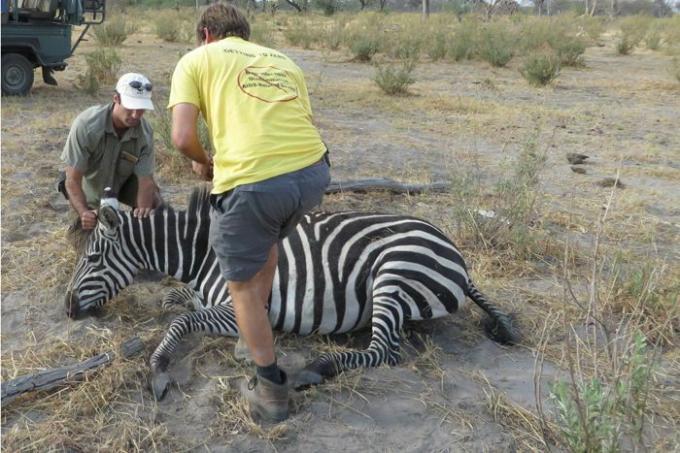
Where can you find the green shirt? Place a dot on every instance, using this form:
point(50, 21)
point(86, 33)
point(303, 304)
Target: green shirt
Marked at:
point(94, 148)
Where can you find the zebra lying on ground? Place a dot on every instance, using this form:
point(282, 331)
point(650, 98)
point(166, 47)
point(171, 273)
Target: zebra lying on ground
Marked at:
point(337, 272)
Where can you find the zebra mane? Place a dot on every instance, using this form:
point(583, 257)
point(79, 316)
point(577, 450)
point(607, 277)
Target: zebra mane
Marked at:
point(199, 202)
point(77, 236)
point(199, 205)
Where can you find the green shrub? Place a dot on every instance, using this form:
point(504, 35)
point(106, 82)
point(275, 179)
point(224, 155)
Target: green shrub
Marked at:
point(624, 46)
point(407, 48)
point(653, 38)
point(496, 44)
point(334, 35)
point(364, 48)
point(299, 33)
point(604, 413)
point(633, 31)
point(536, 32)
point(169, 26)
point(540, 68)
point(593, 26)
point(570, 51)
point(102, 67)
point(262, 32)
point(464, 43)
point(436, 46)
point(327, 7)
point(395, 79)
point(112, 32)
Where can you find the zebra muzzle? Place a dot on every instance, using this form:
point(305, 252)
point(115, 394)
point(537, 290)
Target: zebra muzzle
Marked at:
point(72, 305)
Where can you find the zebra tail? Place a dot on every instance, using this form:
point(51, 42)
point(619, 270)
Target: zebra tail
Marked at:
point(500, 326)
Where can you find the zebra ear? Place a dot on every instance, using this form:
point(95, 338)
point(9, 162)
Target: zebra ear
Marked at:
point(108, 217)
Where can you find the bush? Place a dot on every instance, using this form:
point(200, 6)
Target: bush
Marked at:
point(604, 413)
point(653, 38)
point(464, 42)
point(633, 31)
point(570, 51)
point(112, 32)
point(541, 68)
point(334, 35)
point(624, 46)
point(261, 32)
point(395, 79)
point(102, 67)
point(407, 48)
point(299, 33)
point(437, 46)
point(327, 7)
point(364, 47)
point(169, 26)
point(496, 44)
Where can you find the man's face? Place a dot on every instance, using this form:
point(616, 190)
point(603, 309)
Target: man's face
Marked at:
point(126, 117)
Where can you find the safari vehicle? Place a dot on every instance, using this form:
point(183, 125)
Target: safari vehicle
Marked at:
point(37, 33)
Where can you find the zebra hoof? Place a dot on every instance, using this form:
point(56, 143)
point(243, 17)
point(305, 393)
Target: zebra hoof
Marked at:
point(307, 378)
point(160, 382)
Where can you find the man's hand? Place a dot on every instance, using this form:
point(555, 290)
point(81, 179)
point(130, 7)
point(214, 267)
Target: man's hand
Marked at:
point(142, 212)
point(204, 171)
point(88, 219)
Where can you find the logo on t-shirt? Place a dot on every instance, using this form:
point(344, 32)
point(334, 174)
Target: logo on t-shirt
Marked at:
point(267, 83)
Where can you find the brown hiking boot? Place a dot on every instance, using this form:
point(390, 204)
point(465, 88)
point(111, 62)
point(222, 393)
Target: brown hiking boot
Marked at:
point(266, 399)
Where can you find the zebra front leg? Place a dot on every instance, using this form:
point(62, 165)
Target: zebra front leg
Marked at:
point(387, 320)
point(217, 320)
point(182, 296)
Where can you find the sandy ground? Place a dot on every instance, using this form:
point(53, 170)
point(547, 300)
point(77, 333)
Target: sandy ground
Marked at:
point(455, 390)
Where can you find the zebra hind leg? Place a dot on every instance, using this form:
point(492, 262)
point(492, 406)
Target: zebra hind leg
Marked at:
point(387, 320)
point(217, 320)
point(182, 296)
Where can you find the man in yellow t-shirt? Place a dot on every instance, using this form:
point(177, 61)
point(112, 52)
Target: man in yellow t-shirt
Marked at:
point(268, 169)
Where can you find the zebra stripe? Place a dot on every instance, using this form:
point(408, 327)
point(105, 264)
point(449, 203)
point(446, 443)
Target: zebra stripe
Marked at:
point(336, 273)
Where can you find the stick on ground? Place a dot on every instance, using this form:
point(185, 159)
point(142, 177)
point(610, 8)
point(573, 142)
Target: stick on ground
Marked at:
point(55, 377)
point(388, 185)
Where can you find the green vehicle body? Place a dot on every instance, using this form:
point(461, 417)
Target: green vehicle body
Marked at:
point(38, 33)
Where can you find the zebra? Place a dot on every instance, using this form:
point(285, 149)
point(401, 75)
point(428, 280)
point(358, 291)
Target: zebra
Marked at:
point(337, 272)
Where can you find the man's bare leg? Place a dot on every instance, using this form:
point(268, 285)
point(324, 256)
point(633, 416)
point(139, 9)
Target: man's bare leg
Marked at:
point(267, 395)
point(250, 300)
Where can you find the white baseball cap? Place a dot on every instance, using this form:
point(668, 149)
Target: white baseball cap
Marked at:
point(135, 91)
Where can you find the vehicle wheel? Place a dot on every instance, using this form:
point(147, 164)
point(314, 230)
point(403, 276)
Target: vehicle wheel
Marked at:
point(17, 74)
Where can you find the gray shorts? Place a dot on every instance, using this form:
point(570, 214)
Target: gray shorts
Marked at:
point(248, 220)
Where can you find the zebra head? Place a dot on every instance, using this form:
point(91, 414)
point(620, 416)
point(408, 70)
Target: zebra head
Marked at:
point(102, 270)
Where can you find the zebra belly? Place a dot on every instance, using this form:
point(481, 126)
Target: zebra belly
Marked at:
point(305, 317)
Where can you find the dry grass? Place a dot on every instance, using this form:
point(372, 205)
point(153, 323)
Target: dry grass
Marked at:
point(463, 120)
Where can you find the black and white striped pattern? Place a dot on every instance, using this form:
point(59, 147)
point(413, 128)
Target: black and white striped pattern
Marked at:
point(337, 272)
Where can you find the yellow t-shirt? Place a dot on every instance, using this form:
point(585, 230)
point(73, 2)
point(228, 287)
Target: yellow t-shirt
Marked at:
point(256, 105)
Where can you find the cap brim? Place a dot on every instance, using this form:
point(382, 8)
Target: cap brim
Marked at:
point(131, 103)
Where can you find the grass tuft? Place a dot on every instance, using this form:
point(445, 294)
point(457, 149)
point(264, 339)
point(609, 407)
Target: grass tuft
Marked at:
point(395, 79)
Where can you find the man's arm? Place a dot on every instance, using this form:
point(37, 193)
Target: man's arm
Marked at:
point(185, 139)
point(76, 197)
point(146, 192)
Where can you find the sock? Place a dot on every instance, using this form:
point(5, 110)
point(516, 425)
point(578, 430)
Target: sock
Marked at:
point(271, 372)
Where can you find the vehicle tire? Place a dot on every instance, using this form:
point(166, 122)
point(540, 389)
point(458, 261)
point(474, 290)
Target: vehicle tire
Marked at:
point(17, 74)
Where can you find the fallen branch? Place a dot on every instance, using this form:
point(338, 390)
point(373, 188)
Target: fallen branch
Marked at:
point(55, 377)
point(388, 185)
